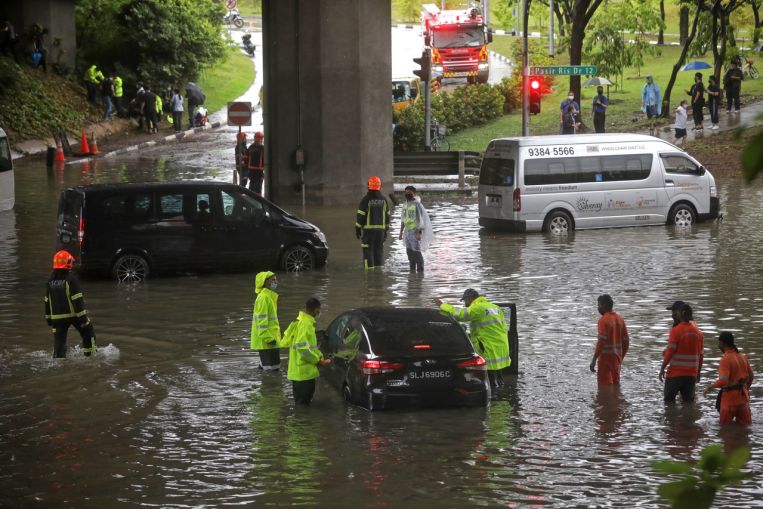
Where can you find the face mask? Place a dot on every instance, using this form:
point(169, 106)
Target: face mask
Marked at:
point(571, 97)
point(408, 197)
point(273, 286)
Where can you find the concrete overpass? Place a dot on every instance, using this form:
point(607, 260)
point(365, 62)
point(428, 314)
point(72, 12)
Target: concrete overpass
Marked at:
point(327, 90)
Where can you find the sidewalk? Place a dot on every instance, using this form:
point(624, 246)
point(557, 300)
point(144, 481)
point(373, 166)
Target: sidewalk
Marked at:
point(747, 117)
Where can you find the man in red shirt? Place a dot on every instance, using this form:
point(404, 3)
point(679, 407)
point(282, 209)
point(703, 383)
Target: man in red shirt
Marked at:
point(612, 344)
point(682, 357)
point(734, 379)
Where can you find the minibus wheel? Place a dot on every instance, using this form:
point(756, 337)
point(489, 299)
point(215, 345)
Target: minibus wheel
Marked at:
point(558, 222)
point(130, 268)
point(682, 215)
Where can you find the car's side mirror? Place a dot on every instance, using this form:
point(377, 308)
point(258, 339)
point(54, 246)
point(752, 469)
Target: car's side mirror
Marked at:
point(489, 35)
point(701, 171)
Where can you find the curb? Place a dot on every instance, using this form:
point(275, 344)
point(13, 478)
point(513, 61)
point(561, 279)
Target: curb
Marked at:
point(151, 143)
point(500, 57)
point(406, 27)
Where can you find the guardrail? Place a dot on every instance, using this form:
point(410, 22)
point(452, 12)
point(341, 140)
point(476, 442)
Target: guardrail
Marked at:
point(438, 163)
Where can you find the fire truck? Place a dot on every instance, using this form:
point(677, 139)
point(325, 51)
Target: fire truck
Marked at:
point(459, 40)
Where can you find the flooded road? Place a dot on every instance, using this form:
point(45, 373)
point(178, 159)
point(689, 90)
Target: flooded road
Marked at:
point(172, 412)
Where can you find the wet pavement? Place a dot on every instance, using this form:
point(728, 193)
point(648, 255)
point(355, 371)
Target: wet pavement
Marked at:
point(171, 412)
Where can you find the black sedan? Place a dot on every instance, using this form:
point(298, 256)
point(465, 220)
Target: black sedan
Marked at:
point(386, 357)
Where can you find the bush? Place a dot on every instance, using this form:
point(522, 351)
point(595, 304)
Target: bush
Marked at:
point(466, 106)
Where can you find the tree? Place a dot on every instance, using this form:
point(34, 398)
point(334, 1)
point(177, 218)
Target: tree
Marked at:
point(171, 40)
point(698, 5)
point(580, 13)
point(605, 47)
point(661, 34)
point(721, 11)
point(756, 5)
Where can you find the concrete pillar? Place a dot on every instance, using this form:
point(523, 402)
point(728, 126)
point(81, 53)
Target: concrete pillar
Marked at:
point(55, 15)
point(327, 90)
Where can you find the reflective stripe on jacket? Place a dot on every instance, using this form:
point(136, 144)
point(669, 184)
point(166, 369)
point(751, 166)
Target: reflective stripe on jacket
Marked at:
point(304, 354)
point(373, 212)
point(266, 332)
point(488, 330)
point(685, 350)
point(63, 297)
point(613, 336)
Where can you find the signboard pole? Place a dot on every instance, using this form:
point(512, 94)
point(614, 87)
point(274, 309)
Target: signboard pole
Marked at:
point(525, 65)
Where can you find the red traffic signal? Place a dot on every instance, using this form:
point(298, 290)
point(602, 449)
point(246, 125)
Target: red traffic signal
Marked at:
point(535, 95)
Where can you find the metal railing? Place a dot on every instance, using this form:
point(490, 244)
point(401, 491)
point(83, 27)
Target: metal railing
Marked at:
point(438, 163)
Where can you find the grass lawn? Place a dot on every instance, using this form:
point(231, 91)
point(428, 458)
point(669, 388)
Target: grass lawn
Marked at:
point(227, 80)
point(250, 7)
point(624, 110)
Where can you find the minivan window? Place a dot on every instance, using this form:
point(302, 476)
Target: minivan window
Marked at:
point(399, 338)
point(171, 208)
point(497, 172)
point(573, 170)
point(679, 164)
point(114, 207)
point(242, 207)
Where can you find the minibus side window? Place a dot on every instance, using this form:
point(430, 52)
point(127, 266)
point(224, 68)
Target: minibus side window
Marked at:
point(497, 172)
point(578, 170)
point(679, 164)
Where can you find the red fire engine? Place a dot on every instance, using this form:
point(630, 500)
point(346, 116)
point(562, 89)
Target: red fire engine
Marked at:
point(459, 40)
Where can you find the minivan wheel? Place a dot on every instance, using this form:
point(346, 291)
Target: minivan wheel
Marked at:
point(682, 215)
point(130, 268)
point(297, 258)
point(558, 223)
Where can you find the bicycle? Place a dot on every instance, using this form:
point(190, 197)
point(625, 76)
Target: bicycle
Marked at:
point(749, 69)
point(438, 141)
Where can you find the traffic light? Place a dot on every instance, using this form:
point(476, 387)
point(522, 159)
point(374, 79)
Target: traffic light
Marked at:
point(425, 64)
point(534, 95)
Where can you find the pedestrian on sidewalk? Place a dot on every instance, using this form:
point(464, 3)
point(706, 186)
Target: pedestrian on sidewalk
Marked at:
point(8, 39)
point(600, 103)
point(564, 109)
point(93, 78)
point(732, 82)
point(107, 91)
point(118, 96)
point(713, 100)
point(680, 125)
point(650, 102)
point(697, 93)
point(176, 103)
point(41, 47)
point(148, 109)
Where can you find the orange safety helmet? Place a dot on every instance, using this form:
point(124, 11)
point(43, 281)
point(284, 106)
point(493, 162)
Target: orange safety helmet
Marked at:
point(241, 136)
point(258, 136)
point(374, 183)
point(63, 260)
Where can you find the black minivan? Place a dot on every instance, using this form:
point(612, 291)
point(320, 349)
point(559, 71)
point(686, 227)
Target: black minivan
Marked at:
point(132, 230)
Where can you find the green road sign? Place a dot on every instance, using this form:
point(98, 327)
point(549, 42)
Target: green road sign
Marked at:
point(561, 70)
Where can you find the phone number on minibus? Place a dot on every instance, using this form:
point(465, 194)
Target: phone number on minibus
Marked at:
point(550, 151)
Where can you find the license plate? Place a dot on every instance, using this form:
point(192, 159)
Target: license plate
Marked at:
point(439, 374)
point(494, 201)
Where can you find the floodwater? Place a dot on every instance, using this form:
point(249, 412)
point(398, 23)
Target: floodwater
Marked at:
point(171, 412)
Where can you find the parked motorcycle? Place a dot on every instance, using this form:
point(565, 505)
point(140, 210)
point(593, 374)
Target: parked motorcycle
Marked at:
point(233, 17)
point(248, 44)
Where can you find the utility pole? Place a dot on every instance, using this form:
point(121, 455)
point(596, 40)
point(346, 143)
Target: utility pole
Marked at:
point(525, 65)
point(551, 28)
point(486, 12)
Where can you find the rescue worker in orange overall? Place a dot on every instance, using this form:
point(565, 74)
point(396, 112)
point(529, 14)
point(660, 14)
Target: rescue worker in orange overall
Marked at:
point(734, 380)
point(612, 344)
point(683, 357)
point(256, 163)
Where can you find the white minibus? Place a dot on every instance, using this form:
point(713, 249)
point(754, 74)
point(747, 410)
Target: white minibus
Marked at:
point(562, 183)
point(7, 185)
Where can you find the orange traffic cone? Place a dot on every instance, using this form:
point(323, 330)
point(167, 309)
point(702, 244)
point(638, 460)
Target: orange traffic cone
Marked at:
point(84, 148)
point(59, 152)
point(94, 146)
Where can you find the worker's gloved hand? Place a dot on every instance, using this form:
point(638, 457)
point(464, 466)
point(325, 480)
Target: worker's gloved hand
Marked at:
point(358, 233)
point(323, 362)
point(271, 343)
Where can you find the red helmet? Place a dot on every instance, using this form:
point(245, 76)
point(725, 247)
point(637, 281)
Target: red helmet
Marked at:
point(258, 136)
point(374, 183)
point(63, 260)
point(241, 136)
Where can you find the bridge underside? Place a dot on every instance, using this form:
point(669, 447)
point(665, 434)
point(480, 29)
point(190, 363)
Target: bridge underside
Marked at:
point(327, 97)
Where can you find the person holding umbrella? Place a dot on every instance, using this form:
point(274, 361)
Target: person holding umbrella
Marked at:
point(600, 103)
point(195, 98)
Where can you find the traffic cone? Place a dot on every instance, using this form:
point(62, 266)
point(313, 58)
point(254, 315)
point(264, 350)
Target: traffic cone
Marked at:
point(94, 146)
point(84, 148)
point(59, 152)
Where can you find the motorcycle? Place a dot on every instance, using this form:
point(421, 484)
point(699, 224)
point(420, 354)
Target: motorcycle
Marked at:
point(248, 45)
point(234, 17)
